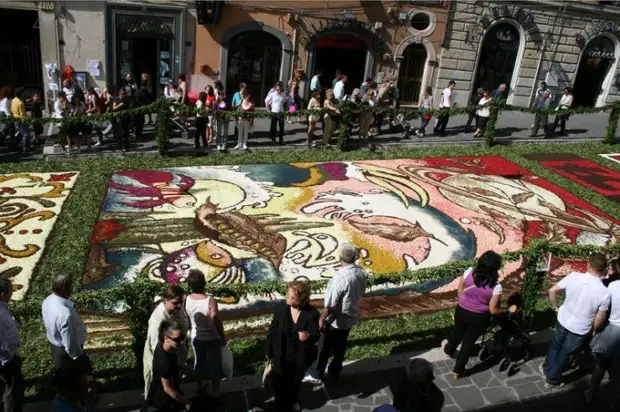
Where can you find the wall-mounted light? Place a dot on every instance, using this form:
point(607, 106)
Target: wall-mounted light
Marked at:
point(348, 15)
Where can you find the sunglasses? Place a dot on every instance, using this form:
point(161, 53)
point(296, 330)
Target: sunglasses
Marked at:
point(179, 339)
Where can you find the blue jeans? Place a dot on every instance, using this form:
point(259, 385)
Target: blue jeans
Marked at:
point(563, 345)
point(24, 130)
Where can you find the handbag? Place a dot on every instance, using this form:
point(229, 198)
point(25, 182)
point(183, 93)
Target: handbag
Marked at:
point(227, 363)
point(427, 117)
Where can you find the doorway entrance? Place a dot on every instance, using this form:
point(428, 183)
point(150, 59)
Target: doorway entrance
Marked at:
point(145, 46)
point(20, 50)
point(594, 68)
point(411, 73)
point(498, 57)
point(254, 58)
point(344, 53)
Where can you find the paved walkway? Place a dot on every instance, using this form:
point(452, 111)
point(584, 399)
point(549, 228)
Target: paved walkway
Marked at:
point(368, 383)
point(486, 390)
point(511, 127)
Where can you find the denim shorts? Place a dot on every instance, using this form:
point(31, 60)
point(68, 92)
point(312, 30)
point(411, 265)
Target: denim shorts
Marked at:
point(208, 358)
point(606, 345)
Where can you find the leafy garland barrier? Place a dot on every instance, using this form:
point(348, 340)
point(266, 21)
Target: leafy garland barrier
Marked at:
point(138, 297)
point(165, 110)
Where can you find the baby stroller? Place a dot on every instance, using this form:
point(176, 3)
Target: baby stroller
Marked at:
point(180, 123)
point(507, 340)
point(399, 120)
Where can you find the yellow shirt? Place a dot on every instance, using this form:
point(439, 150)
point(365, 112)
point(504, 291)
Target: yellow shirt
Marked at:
point(18, 108)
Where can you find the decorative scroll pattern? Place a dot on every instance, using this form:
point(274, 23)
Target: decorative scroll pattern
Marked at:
point(29, 206)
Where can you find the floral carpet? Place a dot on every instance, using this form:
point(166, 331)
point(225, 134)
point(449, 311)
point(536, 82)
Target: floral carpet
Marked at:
point(29, 207)
point(256, 223)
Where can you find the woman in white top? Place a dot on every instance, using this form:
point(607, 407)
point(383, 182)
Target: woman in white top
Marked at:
point(67, 87)
point(6, 95)
point(313, 104)
point(170, 309)
point(207, 332)
point(62, 110)
point(426, 105)
point(562, 116)
point(483, 113)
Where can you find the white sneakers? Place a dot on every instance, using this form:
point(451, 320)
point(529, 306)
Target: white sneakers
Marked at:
point(241, 147)
point(311, 379)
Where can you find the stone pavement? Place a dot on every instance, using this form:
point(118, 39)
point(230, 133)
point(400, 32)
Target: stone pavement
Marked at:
point(511, 127)
point(486, 390)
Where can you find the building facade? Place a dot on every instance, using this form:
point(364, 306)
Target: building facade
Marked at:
point(259, 43)
point(101, 40)
point(521, 43)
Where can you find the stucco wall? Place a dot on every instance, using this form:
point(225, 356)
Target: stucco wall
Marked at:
point(207, 63)
point(464, 36)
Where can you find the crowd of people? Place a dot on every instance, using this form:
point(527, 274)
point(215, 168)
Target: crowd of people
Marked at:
point(209, 129)
point(301, 340)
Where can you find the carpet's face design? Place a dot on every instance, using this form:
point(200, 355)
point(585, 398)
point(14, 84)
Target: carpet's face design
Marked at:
point(29, 206)
point(612, 156)
point(592, 175)
point(267, 222)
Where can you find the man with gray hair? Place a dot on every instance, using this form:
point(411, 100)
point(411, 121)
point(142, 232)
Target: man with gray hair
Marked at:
point(11, 377)
point(339, 315)
point(65, 330)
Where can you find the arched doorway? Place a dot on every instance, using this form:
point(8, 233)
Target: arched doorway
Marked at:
point(411, 73)
point(595, 66)
point(498, 57)
point(342, 52)
point(254, 58)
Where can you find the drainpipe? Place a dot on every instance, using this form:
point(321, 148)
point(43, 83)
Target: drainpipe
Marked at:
point(292, 74)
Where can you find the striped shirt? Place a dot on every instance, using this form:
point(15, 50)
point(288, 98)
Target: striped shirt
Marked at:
point(343, 295)
point(9, 335)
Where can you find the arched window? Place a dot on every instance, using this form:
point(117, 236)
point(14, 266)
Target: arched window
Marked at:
point(596, 63)
point(411, 73)
point(498, 56)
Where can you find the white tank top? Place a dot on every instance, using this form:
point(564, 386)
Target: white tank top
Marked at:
point(202, 327)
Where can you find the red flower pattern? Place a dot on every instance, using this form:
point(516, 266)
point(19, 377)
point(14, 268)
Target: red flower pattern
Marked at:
point(65, 177)
point(7, 190)
point(107, 230)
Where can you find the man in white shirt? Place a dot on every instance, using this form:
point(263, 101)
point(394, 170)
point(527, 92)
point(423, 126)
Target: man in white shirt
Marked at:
point(65, 330)
point(315, 83)
point(446, 103)
point(606, 344)
point(11, 377)
point(276, 103)
point(584, 308)
point(340, 313)
point(339, 88)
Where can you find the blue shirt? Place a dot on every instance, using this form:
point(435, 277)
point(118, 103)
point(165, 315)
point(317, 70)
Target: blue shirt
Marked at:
point(236, 100)
point(314, 83)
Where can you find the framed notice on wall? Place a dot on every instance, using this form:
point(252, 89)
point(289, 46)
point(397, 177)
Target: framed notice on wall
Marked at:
point(164, 67)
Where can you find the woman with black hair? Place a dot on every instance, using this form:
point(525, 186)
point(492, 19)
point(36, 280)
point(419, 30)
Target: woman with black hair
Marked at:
point(479, 294)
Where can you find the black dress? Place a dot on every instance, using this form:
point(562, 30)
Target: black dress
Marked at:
point(37, 113)
point(291, 357)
